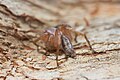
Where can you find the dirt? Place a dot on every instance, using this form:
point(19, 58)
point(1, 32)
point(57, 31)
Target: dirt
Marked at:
point(22, 21)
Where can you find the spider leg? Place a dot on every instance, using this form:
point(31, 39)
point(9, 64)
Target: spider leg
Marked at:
point(84, 35)
point(66, 57)
point(75, 39)
point(93, 51)
point(57, 57)
point(76, 35)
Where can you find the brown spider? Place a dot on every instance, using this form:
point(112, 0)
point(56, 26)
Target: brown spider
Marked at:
point(58, 40)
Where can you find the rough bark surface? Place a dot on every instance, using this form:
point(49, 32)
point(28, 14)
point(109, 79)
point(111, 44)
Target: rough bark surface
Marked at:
point(22, 21)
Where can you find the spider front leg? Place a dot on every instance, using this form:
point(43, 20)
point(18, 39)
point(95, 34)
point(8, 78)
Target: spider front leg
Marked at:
point(88, 42)
point(56, 53)
point(93, 51)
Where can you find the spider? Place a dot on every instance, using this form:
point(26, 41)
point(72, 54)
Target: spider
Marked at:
point(58, 40)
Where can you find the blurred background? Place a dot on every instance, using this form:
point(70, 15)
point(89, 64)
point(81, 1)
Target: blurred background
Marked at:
point(73, 12)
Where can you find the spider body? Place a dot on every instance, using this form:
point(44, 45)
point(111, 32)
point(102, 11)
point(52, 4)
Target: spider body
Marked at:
point(58, 40)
